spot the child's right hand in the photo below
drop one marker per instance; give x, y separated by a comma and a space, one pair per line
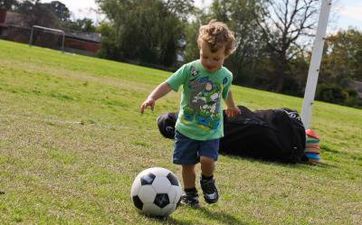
150, 102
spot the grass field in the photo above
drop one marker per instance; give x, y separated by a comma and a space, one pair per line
72, 140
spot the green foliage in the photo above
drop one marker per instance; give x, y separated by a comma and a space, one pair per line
192, 50
337, 94
59, 9
283, 22
343, 56
332, 93
241, 16
81, 25
8, 4
341, 65
110, 48
36, 13
147, 31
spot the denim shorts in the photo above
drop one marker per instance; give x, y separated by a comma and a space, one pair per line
188, 151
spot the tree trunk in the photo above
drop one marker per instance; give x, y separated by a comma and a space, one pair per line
280, 72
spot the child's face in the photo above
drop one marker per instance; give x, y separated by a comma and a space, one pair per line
211, 61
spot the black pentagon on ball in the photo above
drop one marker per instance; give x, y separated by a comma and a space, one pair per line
161, 200
137, 202
148, 179
173, 179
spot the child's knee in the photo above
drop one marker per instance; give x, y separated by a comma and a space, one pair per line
207, 160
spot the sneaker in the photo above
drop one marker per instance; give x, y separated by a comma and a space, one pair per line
211, 194
191, 199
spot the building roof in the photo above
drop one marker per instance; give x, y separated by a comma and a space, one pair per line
86, 36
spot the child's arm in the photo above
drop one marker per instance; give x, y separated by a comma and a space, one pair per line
160, 91
231, 109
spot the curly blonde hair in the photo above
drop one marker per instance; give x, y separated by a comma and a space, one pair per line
217, 35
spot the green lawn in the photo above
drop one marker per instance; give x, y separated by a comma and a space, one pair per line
72, 140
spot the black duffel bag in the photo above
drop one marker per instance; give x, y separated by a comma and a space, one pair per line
272, 134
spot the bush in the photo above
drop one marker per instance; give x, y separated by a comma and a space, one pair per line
336, 94
331, 93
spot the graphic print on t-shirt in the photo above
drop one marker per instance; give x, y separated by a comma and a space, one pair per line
204, 102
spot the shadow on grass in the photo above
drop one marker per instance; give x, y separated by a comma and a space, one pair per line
351, 155
169, 220
280, 163
221, 217
325, 165
173, 221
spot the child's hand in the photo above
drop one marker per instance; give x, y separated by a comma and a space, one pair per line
233, 111
150, 102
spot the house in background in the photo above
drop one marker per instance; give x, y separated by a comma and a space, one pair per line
82, 43
13, 27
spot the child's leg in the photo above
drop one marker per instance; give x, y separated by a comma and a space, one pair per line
208, 156
188, 176
190, 197
207, 166
186, 154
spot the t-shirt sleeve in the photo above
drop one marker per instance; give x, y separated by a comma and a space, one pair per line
227, 83
178, 78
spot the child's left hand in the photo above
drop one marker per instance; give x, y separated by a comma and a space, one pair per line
233, 111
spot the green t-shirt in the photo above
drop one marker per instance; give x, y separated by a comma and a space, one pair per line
200, 116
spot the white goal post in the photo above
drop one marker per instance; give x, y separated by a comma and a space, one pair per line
315, 63
47, 29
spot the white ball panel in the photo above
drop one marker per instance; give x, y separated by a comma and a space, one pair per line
135, 187
159, 171
178, 191
172, 195
161, 184
147, 194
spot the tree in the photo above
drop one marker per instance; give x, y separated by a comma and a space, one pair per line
283, 23
341, 66
37, 14
82, 25
181, 8
191, 33
343, 57
60, 10
110, 48
147, 30
51, 14
8, 4
241, 16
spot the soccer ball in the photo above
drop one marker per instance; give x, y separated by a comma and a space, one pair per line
156, 192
